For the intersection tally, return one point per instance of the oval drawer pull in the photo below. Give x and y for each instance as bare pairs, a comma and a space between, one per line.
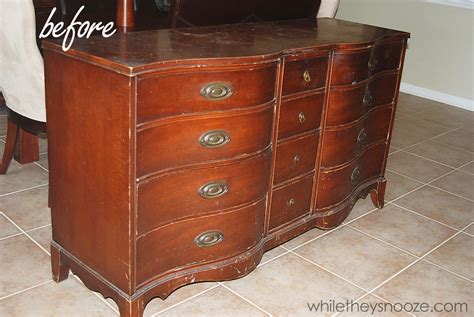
213, 139
355, 174
209, 239
301, 117
213, 190
372, 63
306, 76
291, 202
362, 136
217, 91
368, 99
296, 159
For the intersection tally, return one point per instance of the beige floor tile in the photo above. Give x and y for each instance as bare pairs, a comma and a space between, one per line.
420, 127
456, 255
410, 104
459, 183
404, 229
216, 302
286, 285
43, 161
179, 295
43, 144
461, 140
23, 264
362, 207
3, 125
442, 153
415, 167
68, 298
43, 236
271, 254
7, 228
451, 117
427, 283
470, 229
392, 150
305, 237
28, 209
468, 128
469, 168
398, 185
402, 139
356, 257
372, 306
441, 206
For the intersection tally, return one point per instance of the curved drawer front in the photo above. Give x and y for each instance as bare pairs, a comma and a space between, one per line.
188, 193
295, 157
349, 104
303, 75
199, 240
202, 139
343, 145
337, 185
351, 67
300, 115
291, 202
203, 91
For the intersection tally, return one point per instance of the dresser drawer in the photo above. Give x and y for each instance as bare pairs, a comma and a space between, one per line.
336, 185
199, 240
291, 202
343, 145
349, 104
300, 115
296, 157
204, 91
387, 56
306, 74
189, 193
201, 139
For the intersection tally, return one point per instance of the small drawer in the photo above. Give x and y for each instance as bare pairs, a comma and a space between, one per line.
337, 185
189, 193
203, 91
291, 202
200, 240
303, 75
350, 104
343, 145
300, 115
350, 67
202, 139
295, 157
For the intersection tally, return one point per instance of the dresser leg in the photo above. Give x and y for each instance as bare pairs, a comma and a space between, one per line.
9, 149
378, 195
59, 268
131, 308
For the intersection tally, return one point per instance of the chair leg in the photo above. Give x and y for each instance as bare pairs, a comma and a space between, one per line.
27, 147
12, 134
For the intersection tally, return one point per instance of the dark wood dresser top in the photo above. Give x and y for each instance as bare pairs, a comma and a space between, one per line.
133, 53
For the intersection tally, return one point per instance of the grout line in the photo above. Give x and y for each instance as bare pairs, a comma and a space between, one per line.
316, 238
428, 159
183, 301
42, 167
23, 190
96, 294
244, 298
446, 191
11, 236
38, 228
24, 290
448, 270
272, 259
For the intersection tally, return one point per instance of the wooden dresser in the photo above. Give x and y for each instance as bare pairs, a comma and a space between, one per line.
179, 156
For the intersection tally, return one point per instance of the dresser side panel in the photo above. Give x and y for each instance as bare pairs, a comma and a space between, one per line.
91, 138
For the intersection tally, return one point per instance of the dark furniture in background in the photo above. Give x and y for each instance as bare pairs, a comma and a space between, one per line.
183, 155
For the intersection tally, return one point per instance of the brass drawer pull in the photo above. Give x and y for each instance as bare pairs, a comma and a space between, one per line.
296, 159
213, 139
301, 117
368, 99
372, 63
213, 190
209, 239
306, 76
355, 174
291, 202
362, 136
217, 91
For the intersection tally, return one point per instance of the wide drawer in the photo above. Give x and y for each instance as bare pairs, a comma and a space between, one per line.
343, 145
201, 139
296, 157
351, 67
202, 91
300, 115
199, 240
337, 185
188, 193
291, 202
305, 74
350, 104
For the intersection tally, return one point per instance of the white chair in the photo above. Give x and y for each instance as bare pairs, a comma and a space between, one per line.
21, 79
328, 8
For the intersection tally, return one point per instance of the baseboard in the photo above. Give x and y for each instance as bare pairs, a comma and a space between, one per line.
437, 96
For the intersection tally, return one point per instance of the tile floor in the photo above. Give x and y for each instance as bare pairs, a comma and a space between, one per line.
418, 248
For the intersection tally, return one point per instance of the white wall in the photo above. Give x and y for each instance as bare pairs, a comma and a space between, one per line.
440, 59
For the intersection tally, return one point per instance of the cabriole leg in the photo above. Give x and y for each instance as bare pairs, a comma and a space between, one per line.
378, 195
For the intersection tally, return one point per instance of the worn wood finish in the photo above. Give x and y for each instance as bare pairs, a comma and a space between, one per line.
194, 184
